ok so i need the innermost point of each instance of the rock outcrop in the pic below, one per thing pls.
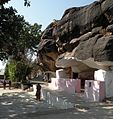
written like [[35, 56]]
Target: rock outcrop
[[85, 34]]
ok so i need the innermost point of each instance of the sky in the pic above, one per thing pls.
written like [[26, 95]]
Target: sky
[[44, 11]]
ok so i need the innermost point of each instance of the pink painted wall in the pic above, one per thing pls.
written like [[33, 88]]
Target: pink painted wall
[[94, 90], [68, 85]]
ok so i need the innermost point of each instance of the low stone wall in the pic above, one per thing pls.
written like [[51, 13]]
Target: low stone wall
[[55, 100], [68, 85], [94, 90]]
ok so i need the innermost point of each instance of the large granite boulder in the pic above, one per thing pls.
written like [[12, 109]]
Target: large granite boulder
[[86, 33]]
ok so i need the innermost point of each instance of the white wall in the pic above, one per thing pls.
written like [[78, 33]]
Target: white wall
[[56, 100], [106, 76], [67, 85], [94, 90], [61, 73]]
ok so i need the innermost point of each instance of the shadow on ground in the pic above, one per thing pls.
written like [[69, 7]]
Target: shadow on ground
[[23, 106], [13, 104]]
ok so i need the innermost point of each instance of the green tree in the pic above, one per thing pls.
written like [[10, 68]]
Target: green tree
[[21, 71], [16, 71], [18, 39], [10, 27], [27, 42], [19, 66], [11, 71]]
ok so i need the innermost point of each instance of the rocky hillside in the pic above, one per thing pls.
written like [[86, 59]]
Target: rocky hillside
[[84, 33]]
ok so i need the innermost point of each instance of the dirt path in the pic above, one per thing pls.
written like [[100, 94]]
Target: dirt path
[[17, 104]]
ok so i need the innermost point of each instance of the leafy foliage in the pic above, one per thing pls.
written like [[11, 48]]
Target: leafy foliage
[[6, 73], [10, 26], [17, 39], [17, 71], [28, 41], [3, 1], [26, 2], [16, 35], [22, 70], [11, 71]]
